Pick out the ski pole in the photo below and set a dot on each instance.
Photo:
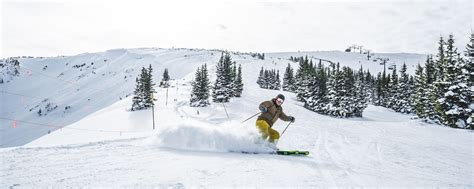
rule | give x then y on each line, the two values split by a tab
285	129
250	117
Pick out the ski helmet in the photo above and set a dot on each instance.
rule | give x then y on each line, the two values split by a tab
280	96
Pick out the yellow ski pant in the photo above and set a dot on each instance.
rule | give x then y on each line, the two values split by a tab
266	131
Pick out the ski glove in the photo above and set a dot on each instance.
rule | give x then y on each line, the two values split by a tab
292	119
262	109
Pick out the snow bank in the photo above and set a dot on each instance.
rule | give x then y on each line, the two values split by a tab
199	136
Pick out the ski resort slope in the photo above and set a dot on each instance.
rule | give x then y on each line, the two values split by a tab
199	147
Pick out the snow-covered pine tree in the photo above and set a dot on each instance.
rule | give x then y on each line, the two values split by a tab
469	74
233	75
143	91
238	84
387	95
454	103
277	84
438	84
205	83
233	71
317	90
164	81
393	90
288	79
383	89
377	97
347	94
302	80
222	90
420	98
402	96
440	60
138	94
430	89
149	88
261	78
195	96
411	103
266	79
335	91
369	83
322	81
271	79
200	88
360	94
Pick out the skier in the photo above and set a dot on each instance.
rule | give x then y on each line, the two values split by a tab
271	110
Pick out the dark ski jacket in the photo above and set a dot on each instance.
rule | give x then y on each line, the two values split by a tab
273	112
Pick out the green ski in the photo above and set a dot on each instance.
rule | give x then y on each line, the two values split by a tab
292	152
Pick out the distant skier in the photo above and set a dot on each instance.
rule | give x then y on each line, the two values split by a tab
271	110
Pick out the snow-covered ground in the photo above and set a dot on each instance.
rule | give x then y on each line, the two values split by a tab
191	147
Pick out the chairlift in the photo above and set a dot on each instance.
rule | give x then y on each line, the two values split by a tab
392	67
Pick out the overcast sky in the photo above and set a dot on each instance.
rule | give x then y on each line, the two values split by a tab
51	28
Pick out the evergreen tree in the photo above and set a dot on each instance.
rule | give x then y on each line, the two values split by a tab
440	60
205	83
438	85
411	102
144	90
261	78
233	72
238	84
222	90
347	95
272	79
277	81
369	83
322	81
360	94
430	89
469	74
200	88
393	90
138	93
149	88
384	89
377	98
302	80
164	81
420	98
233	75
195	88
335	91
266	79
454	103
288	79
402	100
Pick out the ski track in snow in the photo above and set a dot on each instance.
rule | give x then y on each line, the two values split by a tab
190	150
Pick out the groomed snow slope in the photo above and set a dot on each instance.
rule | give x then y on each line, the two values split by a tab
190	150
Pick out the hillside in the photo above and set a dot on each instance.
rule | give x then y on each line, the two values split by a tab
113	147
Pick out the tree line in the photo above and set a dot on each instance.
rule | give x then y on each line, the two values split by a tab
228	83
441	91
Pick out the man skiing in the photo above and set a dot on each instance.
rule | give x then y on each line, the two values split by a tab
271	110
